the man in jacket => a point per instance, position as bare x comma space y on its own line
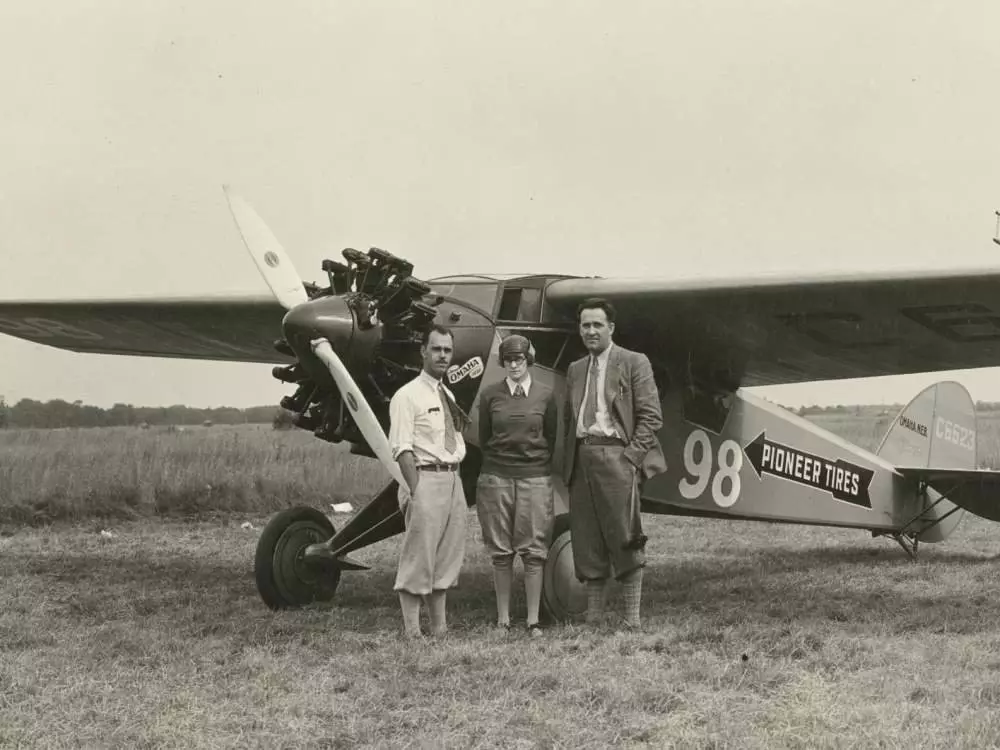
612, 417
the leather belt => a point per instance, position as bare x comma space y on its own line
437, 467
601, 440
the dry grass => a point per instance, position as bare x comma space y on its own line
756, 636
126, 472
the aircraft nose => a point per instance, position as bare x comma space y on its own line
328, 317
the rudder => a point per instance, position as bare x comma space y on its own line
936, 429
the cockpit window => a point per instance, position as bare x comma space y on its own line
521, 304
481, 294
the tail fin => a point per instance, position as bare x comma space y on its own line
937, 429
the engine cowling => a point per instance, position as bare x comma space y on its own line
373, 312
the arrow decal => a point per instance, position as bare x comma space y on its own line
842, 479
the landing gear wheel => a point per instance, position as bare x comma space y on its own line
563, 597
284, 579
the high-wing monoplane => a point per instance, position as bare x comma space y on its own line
345, 345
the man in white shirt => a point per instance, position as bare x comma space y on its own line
425, 436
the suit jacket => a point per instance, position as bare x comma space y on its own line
633, 404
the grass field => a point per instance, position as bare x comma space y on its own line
756, 636
121, 472
124, 472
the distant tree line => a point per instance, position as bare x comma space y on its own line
59, 413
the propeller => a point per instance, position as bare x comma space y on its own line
280, 275
270, 257
360, 410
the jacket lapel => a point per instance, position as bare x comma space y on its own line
612, 377
577, 384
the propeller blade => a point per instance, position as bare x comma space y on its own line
271, 259
361, 411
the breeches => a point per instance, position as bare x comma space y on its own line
433, 546
516, 516
601, 521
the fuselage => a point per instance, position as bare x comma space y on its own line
729, 455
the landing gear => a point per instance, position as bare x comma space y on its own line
909, 543
285, 579
563, 596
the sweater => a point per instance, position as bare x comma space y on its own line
517, 436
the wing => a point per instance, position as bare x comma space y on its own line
774, 330
975, 490
238, 328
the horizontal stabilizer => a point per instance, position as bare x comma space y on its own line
975, 490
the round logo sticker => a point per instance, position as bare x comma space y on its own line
271, 259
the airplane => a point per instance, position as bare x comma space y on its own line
347, 344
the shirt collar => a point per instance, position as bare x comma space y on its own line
430, 380
603, 357
512, 386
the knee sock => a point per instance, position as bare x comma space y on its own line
596, 595
410, 604
632, 596
533, 587
503, 574
436, 605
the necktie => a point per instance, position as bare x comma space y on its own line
518, 391
449, 421
590, 408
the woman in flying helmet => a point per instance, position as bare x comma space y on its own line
514, 501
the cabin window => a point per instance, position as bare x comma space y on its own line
548, 345
521, 304
573, 350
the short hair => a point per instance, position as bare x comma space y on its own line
436, 328
594, 303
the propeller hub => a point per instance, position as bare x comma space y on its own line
327, 317
342, 322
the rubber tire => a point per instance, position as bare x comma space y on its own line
284, 581
564, 598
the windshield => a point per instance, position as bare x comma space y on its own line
481, 294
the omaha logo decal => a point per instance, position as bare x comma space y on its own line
845, 481
471, 369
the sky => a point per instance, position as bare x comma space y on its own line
714, 137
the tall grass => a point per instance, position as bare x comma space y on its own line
127, 472
48, 475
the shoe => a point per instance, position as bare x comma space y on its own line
534, 630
